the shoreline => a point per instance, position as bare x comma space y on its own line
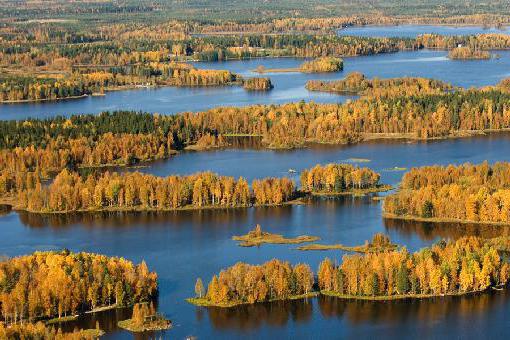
439, 220
203, 302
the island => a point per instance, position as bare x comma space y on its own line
356, 83
465, 193
144, 319
256, 237
318, 65
468, 53
271, 281
380, 243
257, 84
388, 274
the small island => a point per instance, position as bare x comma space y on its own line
341, 179
380, 243
318, 65
356, 83
257, 84
322, 65
256, 237
145, 318
468, 53
247, 284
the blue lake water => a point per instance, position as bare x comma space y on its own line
182, 246
288, 87
411, 31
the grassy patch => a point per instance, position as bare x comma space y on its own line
256, 237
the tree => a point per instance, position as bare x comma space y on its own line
199, 288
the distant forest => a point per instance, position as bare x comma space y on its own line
256, 10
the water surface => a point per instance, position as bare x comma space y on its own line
411, 31
182, 246
288, 87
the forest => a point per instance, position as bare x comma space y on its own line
39, 330
337, 178
469, 264
96, 80
475, 193
468, 53
122, 138
246, 284
447, 268
55, 284
357, 83
136, 191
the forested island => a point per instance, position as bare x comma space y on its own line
47, 285
124, 138
144, 319
465, 266
244, 283
70, 191
357, 83
318, 65
467, 53
465, 193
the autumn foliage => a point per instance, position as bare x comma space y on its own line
130, 191
357, 83
337, 178
273, 280
476, 193
457, 267
50, 284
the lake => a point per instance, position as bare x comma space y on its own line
182, 246
412, 31
288, 87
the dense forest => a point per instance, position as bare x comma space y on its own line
244, 283
470, 264
357, 83
475, 193
56, 284
456, 267
129, 137
324, 64
39, 331
93, 80
467, 53
337, 178
136, 191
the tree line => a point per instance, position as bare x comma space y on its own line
244, 283
56, 284
129, 191
465, 53
337, 178
469, 264
476, 193
92, 79
455, 267
128, 137
70, 191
